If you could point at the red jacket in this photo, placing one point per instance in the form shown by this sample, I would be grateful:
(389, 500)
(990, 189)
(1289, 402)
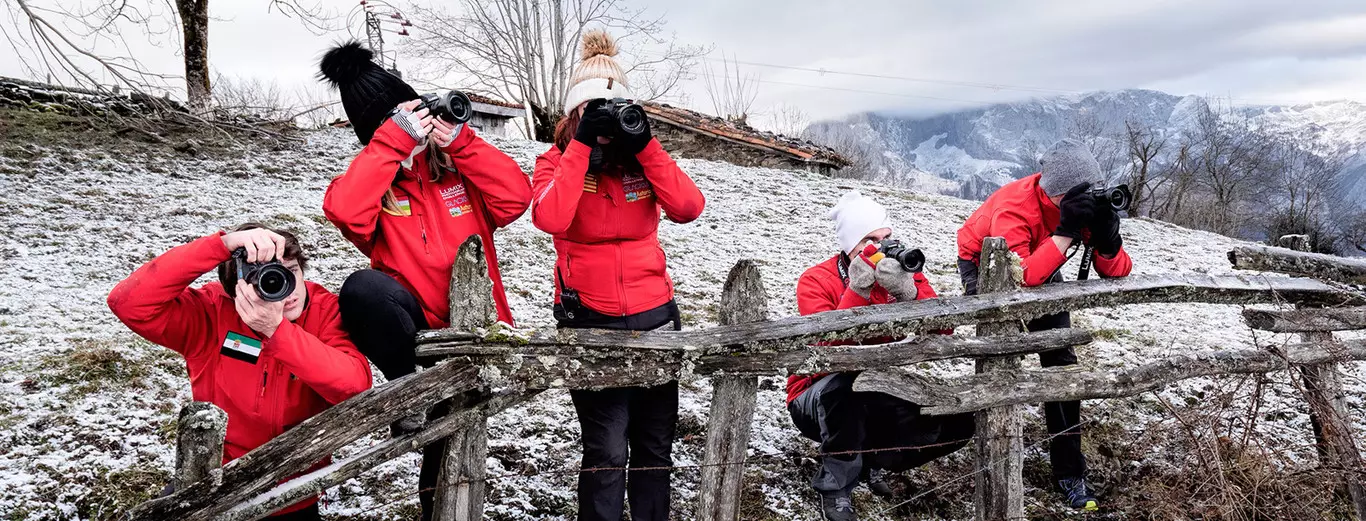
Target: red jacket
(1022, 213)
(824, 287)
(265, 385)
(604, 225)
(418, 245)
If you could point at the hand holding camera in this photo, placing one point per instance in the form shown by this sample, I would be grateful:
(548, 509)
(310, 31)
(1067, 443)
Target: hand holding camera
(415, 121)
(260, 315)
(622, 123)
(260, 244)
(595, 123)
(1078, 209)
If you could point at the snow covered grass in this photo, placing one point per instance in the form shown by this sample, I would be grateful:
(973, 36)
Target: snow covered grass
(87, 408)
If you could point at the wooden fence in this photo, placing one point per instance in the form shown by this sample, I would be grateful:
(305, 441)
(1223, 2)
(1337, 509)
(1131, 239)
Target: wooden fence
(481, 368)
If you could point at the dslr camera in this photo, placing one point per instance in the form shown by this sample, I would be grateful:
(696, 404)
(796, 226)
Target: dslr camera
(1118, 197)
(629, 116)
(453, 107)
(272, 280)
(911, 259)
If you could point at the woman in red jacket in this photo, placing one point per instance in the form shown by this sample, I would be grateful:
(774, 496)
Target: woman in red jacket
(599, 193)
(418, 189)
(268, 365)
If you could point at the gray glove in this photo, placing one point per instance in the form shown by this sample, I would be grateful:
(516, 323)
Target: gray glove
(898, 282)
(862, 275)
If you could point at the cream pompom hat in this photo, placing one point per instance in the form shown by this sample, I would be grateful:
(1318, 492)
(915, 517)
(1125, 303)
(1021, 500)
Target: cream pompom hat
(597, 74)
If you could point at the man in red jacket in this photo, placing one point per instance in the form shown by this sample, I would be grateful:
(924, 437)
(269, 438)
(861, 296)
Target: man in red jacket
(1041, 217)
(268, 365)
(825, 407)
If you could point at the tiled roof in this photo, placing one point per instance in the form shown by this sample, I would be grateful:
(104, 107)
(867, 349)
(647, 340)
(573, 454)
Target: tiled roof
(740, 132)
(490, 101)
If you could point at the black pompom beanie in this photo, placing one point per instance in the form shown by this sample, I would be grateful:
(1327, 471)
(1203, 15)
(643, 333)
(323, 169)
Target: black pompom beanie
(368, 92)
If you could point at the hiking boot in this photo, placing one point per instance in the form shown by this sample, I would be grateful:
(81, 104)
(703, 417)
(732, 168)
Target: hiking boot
(838, 508)
(408, 424)
(877, 483)
(1078, 494)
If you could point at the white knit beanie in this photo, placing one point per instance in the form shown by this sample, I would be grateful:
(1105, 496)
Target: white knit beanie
(855, 217)
(597, 75)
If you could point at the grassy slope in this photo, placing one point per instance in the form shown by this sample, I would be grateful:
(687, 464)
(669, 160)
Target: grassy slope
(86, 408)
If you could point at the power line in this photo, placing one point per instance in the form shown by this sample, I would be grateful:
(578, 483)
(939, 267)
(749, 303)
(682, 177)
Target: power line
(862, 91)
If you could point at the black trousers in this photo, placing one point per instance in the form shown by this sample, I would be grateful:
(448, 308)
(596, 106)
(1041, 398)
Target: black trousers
(832, 414)
(626, 427)
(383, 319)
(1062, 418)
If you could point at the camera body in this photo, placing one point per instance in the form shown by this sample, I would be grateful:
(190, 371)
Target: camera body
(1118, 197)
(453, 107)
(911, 259)
(272, 280)
(629, 116)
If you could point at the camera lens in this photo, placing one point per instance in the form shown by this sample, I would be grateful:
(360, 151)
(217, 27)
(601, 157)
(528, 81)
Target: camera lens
(632, 119)
(274, 283)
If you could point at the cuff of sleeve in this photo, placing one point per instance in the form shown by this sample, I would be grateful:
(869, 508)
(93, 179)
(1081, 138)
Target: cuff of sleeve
(389, 133)
(577, 148)
(277, 340)
(1042, 262)
(652, 149)
(213, 245)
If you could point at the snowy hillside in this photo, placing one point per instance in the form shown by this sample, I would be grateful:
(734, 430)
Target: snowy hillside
(979, 149)
(87, 409)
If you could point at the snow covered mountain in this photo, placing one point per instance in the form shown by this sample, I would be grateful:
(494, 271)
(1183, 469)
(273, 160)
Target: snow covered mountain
(978, 150)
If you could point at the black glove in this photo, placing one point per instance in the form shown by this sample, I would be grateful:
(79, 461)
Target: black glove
(594, 123)
(634, 143)
(1078, 209)
(1105, 231)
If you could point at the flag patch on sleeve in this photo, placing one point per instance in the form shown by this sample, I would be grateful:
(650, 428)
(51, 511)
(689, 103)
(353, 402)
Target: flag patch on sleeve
(241, 347)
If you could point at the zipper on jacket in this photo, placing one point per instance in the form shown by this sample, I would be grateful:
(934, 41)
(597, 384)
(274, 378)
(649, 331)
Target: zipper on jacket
(423, 225)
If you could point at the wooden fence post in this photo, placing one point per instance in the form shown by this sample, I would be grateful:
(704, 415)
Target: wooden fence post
(1327, 409)
(732, 405)
(459, 495)
(199, 444)
(1000, 449)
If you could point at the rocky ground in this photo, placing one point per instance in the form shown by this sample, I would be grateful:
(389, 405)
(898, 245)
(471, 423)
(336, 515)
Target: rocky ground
(87, 409)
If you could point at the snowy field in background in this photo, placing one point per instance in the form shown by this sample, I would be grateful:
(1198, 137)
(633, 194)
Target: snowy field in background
(75, 221)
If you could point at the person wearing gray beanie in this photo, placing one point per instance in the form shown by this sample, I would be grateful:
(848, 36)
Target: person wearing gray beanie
(1041, 217)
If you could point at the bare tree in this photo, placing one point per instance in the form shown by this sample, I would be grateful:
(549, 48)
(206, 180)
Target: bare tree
(787, 119)
(56, 43)
(1091, 131)
(732, 93)
(524, 50)
(1144, 144)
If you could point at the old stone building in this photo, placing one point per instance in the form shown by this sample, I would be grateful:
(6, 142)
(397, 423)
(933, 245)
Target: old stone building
(692, 134)
(493, 117)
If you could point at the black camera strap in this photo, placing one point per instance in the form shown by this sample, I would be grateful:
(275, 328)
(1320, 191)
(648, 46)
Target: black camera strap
(842, 266)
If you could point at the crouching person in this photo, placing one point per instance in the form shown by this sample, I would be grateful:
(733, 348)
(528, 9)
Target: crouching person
(270, 355)
(853, 427)
(1041, 217)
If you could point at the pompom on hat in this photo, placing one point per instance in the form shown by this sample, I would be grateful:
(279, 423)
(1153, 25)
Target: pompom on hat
(597, 74)
(368, 92)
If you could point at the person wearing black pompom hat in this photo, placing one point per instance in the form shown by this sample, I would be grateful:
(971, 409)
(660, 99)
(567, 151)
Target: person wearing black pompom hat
(418, 189)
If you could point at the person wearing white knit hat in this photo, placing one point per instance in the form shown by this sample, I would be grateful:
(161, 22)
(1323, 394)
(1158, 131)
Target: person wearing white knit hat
(599, 192)
(824, 407)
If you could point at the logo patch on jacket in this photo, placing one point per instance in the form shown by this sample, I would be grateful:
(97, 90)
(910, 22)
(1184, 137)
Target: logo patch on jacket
(457, 201)
(590, 183)
(241, 347)
(636, 187)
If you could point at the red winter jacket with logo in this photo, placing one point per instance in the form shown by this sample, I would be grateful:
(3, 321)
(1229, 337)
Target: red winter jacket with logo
(1023, 214)
(418, 244)
(824, 287)
(604, 225)
(266, 385)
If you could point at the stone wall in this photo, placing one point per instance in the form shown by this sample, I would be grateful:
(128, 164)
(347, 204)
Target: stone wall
(688, 144)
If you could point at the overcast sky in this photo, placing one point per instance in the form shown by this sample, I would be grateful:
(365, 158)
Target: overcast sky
(1254, 51)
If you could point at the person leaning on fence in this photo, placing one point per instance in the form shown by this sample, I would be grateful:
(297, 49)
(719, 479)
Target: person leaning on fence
(825, 408)
(413, 195)
(268, 365)
(1041, 217)
(599, 194)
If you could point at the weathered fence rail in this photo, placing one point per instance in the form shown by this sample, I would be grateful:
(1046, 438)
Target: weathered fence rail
(481, 370)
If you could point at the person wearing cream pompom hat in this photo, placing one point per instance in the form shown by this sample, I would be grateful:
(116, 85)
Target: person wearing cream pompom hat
(599, 192)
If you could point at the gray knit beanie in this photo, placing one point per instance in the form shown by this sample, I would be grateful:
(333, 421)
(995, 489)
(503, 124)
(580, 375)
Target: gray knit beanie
(1066, 164)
